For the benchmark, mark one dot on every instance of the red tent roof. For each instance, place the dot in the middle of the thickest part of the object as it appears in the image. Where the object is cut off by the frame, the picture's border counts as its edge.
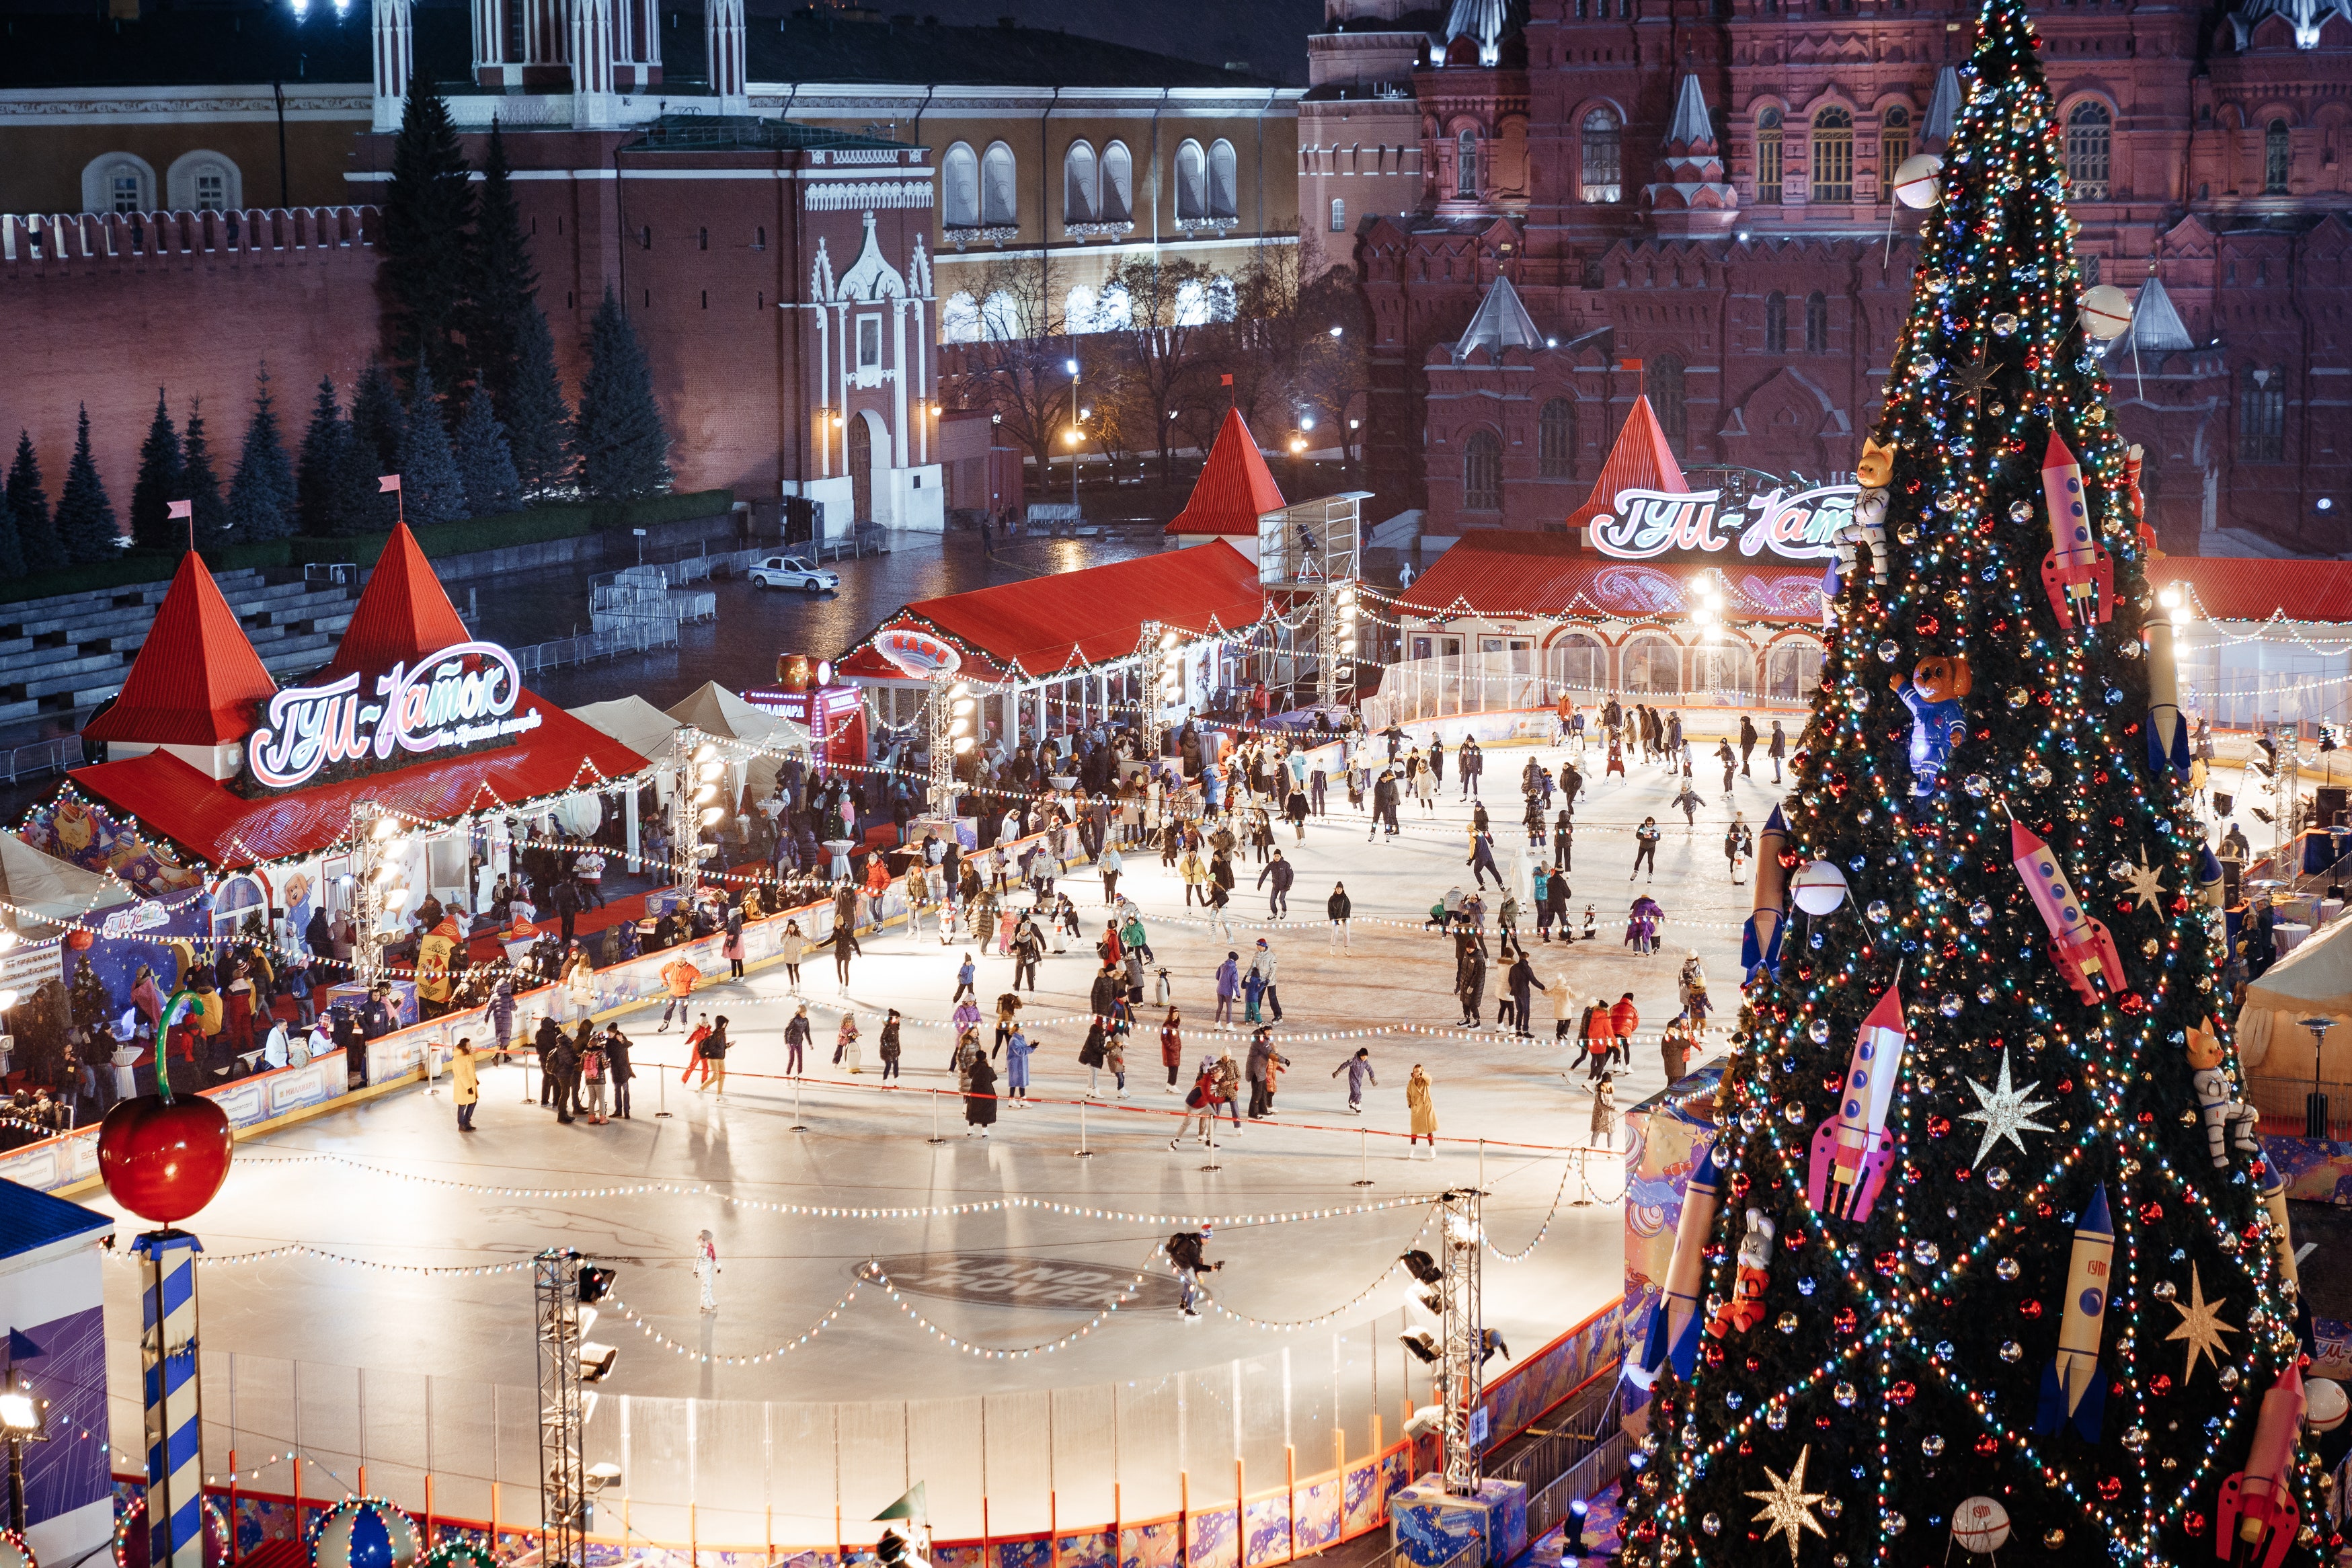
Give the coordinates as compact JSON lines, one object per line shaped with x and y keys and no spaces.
{"x":179,"y":802}
{"x":1496,"y":574}
{"x":403,"y":615}
{"x":1082,"y":617}
{"x":2244,"y":588}
{"x":1235,"y":487}
{"x":196,"y":678}
{"x":1640,"y":460}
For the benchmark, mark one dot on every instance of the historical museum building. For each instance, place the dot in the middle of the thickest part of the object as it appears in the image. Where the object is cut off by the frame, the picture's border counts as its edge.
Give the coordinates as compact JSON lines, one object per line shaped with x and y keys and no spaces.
{"x":1703,"y":186}
{"x":795,"y":205}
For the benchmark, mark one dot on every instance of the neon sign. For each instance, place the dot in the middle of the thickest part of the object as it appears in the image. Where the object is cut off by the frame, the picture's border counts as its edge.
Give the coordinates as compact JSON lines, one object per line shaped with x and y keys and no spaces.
{"x":459,"y":699}
{"x":1802,"y":526}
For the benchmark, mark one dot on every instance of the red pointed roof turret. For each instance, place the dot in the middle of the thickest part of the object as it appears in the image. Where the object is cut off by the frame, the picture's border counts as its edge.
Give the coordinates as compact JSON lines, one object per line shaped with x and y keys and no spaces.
{"x":403,"y":615}
{"x":196,"y":678}
{"x":1640,"y":460}
{"x":1234,"y":487}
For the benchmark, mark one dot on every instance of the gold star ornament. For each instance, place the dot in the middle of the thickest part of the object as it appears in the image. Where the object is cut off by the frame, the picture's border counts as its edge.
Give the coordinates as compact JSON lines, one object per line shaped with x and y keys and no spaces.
{"x":2200,"y":1325}
{"x":2006,"y":1112}
{"x":1788,"y":1505}
{"x":2146,"y":885}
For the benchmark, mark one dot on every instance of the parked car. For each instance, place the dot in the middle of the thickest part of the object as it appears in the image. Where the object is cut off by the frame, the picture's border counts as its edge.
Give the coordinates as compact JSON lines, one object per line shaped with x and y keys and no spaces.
{"x":793,"y":571}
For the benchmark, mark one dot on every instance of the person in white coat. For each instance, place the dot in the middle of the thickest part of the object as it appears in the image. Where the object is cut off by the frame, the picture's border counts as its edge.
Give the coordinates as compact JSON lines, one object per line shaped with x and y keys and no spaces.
{"x":706,"y":1270}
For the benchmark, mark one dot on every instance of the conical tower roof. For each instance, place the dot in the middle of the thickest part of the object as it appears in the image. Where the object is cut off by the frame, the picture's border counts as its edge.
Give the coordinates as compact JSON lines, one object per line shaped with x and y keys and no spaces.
{"x":1502,"y":323}
{"x":1235,"y":487}
{"x":403,"y":615}
{"x":196,"y":678}
{"x":2155,"y":325}
{"x":1640,"y":460}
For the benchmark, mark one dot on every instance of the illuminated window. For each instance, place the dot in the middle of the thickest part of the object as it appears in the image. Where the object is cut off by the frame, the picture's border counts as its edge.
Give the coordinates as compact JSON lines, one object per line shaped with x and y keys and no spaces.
{"x":2089,"y":141}
{"x":1894,"y":146}
{"x":1768,"y":157}
{"x":1603,"y":156}
{"x":1833,"y":156}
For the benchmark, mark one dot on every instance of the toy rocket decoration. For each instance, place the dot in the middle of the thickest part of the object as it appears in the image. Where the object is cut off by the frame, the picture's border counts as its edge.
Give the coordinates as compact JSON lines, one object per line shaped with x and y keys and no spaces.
{"x":2210,"y":886}
{"x":1852,"y":1150}
{"x":1674,"y":1323}
{"x":2079,"y":576}
{"x":1760,"y":942}
{"x":2258,"y":1517}
{"x":2167,"y":731}
{"x":2073,"y":1388}
{"x":2083,"y":947}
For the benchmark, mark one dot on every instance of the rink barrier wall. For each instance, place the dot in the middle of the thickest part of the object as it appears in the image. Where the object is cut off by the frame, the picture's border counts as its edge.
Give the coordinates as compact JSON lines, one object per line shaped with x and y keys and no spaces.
{"x":1221,"y":1523}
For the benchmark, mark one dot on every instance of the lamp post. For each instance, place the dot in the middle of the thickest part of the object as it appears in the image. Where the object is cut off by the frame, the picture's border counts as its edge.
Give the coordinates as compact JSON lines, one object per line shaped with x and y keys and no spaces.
{"x":24,"y":1418}
{"x":1072,"y":366}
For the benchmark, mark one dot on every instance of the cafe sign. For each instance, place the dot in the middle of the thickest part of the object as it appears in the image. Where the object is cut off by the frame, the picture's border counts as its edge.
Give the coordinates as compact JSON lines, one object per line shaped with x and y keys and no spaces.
{"x":1800,"y":525}
{"x":459,"y":700}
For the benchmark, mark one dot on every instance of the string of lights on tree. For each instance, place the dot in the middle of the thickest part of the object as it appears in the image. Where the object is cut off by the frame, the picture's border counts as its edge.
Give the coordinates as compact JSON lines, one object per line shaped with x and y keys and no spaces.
{"x":1972,"y":1187}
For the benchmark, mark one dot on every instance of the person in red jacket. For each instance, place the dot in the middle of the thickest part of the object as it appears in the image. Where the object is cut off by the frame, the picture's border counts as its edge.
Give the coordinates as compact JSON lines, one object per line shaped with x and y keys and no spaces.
{"x":1624,"y":1019}
{"x":679,"y":975}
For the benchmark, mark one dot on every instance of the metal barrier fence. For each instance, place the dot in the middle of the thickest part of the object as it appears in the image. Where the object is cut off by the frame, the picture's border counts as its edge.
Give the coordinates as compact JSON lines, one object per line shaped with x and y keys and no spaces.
{"x":1501,"y":682}
{"x":1554,"y":1504}
{"x":44,"y":757}
{"x":591,"y":646}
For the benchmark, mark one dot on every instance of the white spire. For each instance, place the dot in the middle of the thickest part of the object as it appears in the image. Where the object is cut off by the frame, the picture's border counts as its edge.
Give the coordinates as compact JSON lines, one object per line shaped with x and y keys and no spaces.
{"x":1943,"y":109}
{"x":723,"y":39}
{"x":2307,"y":16}
{"x":2156,"y":325}
{"x":392,"y":36}
{"x":1692,"y":125}
{"x":1502,"y":323}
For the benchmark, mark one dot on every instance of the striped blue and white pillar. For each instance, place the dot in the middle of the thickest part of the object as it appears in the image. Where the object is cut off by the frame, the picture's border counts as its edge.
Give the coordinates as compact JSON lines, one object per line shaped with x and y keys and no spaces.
{"x":174,"y":1413}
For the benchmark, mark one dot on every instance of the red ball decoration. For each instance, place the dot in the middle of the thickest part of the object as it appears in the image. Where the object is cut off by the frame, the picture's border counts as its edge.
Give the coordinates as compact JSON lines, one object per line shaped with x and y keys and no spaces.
{"x":163,"y":1160}
{"x":80,"y":939}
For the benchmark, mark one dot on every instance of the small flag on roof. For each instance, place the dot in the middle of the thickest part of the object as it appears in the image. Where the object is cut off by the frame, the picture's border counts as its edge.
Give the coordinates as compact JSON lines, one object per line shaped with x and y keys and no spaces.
{"x":389,"y":482}
{"x":181,"y":509}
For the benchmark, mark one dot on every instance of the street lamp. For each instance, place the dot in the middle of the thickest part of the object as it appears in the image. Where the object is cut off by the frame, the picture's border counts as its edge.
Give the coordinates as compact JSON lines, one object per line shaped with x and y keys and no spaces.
{"x":24,"y":1418}
{"x":1072,"y":366}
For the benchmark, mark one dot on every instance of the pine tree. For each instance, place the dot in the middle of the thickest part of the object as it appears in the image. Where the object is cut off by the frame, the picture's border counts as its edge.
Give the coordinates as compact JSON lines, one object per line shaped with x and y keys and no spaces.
{"x":12,"y":547}
{"x":623,"y":449}
{"x":261,"y":497}
{"x":314,"y":484}
{"x":1979,"y":1169}
{"x":432,"y":488}
{"x":484,"y":458}
{"x":538,"y":419}
{"x":85,"y":526}
{"x":202,"y":486}
{"x":379,"y":418}
{"x":505,"y":284}
{"x":160,"y":483}
{"x":36,"y":531}
{"x":424,"y":268}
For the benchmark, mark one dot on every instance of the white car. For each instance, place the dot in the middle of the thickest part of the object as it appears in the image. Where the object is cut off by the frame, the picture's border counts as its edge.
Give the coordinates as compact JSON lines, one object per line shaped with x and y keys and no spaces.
{"x":792,"y":572}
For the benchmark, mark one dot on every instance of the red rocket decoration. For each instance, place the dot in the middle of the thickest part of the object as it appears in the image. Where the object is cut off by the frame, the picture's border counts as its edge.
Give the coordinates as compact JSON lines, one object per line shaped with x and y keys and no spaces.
{"x":2078,"y":575}
{"x":2081,"y":945}
{"x":2257,"y":1518}
{"x":1852,"y":1150}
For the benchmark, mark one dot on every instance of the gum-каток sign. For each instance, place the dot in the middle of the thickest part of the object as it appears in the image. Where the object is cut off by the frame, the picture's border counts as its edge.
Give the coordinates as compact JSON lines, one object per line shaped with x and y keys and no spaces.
{"x":458,"y":700}
{"x":1799,"y":526}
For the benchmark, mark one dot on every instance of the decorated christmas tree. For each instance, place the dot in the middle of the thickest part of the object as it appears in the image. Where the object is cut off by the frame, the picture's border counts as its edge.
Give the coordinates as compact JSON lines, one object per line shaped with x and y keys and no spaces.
{"x":1985,"y":1257}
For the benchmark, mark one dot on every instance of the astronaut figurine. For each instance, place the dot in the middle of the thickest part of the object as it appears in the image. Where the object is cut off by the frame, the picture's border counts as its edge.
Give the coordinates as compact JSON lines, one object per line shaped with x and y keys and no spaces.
{"x":1746,"y":1307}
{"x":1933,"y":694}
{"x":1867,"y":531}
{"x":2229,"y":1122}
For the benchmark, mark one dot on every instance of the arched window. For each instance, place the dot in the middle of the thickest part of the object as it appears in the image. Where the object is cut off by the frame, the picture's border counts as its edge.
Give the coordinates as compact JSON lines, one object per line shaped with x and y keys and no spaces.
{"x":1665,"y":384}
{"x":1465,"y":165}
{"x":1224,"y":181}
{"x":1792,"y":670}
{"x":1817,"y":322}
{"x":1653,"y":664}
{"x":959,"y":187}
{"x":1556,"y":439}
{"x":1000,"y":196}
{"x":1768,"y":157}
{"x":2089,"y":133}
{"x":1000,"y":317}
{"x":2262,"y":415}
{"x":118,"y":183}
{"x":2274,"y":159}
{"x":1191,"y":184}
{"x":1894,"y":146}
{"x":204,"y":182}
{"x":1339,"y":216}
{"x":1114,"y":308}
{"x":1082,"y":311}
{"x":1775,"y":322}
{"x":1117,"y":184}
{"x":960,"y":319}
{"x":1081,"y":187}
{"x":1604,"y":160}
{"x":1481,"y":472}
{"x":1579,"y":660}
{"x":1833,"y":156}
{"x":1724,"y":669}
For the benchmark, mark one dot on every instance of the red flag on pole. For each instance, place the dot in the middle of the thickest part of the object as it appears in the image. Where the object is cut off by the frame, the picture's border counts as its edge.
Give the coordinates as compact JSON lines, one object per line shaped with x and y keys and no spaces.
{"x":182,"y":509}
{"x":1629,"y":365}
{"x":1225,"y":381}
{"x":389,"y":482}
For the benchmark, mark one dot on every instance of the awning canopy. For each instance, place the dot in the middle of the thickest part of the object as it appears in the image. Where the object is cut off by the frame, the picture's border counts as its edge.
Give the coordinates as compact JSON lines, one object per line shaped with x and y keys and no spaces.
{"x":1068,"y":621}
{"x":33,"y":886}
{"x":1498,"y":574}
{"x":632,"y":720}
{"x":715,"y":710}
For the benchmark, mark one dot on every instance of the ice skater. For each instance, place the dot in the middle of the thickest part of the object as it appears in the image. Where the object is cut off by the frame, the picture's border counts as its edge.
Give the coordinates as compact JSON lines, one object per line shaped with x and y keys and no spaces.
{"x":706,"y":1270}
{"x":1184,"y":1253}
{"x":1359,"y":1069}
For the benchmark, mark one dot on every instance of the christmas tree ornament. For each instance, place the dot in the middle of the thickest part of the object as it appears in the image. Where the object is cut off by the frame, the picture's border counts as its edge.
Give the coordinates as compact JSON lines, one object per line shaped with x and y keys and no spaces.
{"x":1853,"y":1150}
{"x":1788,"y":1506}
{"x":1918,"y":182}
{"x":2074,"y":1385}
{"x":363,"y":1532}
{"x":2258,"y":1516}
{"x":1937,"y":725}
{"x":1673,"y":1333}
{"x":2200,"y":1324}
{"x":164,"y":1158}
{"x":2229,"y":1120}
{"x":1746,"y":1307}
{"x":1979,"y":1526}
{"x":1876,"y":467}
{"x":16,"y":1552}
{"x":2005,"y":1112}
{"x":2079,"y":576}
{"x":2084,"y":950}
{"x":2106,"y":311}
{"x":1819,"y":887}
{"x":2167,"y":731}
{"x":1759,"y":940}
{"x":2147,"y":883}
{"x":1971,"y":381}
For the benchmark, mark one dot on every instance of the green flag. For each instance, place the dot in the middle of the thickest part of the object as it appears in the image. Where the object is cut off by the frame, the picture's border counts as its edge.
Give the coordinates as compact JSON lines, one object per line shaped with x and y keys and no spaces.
{"x":910,"y":1507}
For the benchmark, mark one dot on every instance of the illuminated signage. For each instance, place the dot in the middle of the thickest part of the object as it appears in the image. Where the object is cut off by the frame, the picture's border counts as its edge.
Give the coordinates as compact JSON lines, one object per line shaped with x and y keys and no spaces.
{"x":459,"y":699}
{"x":919,"y":654}
{"x":1802,"y":526}
{"x":146,"y":915}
